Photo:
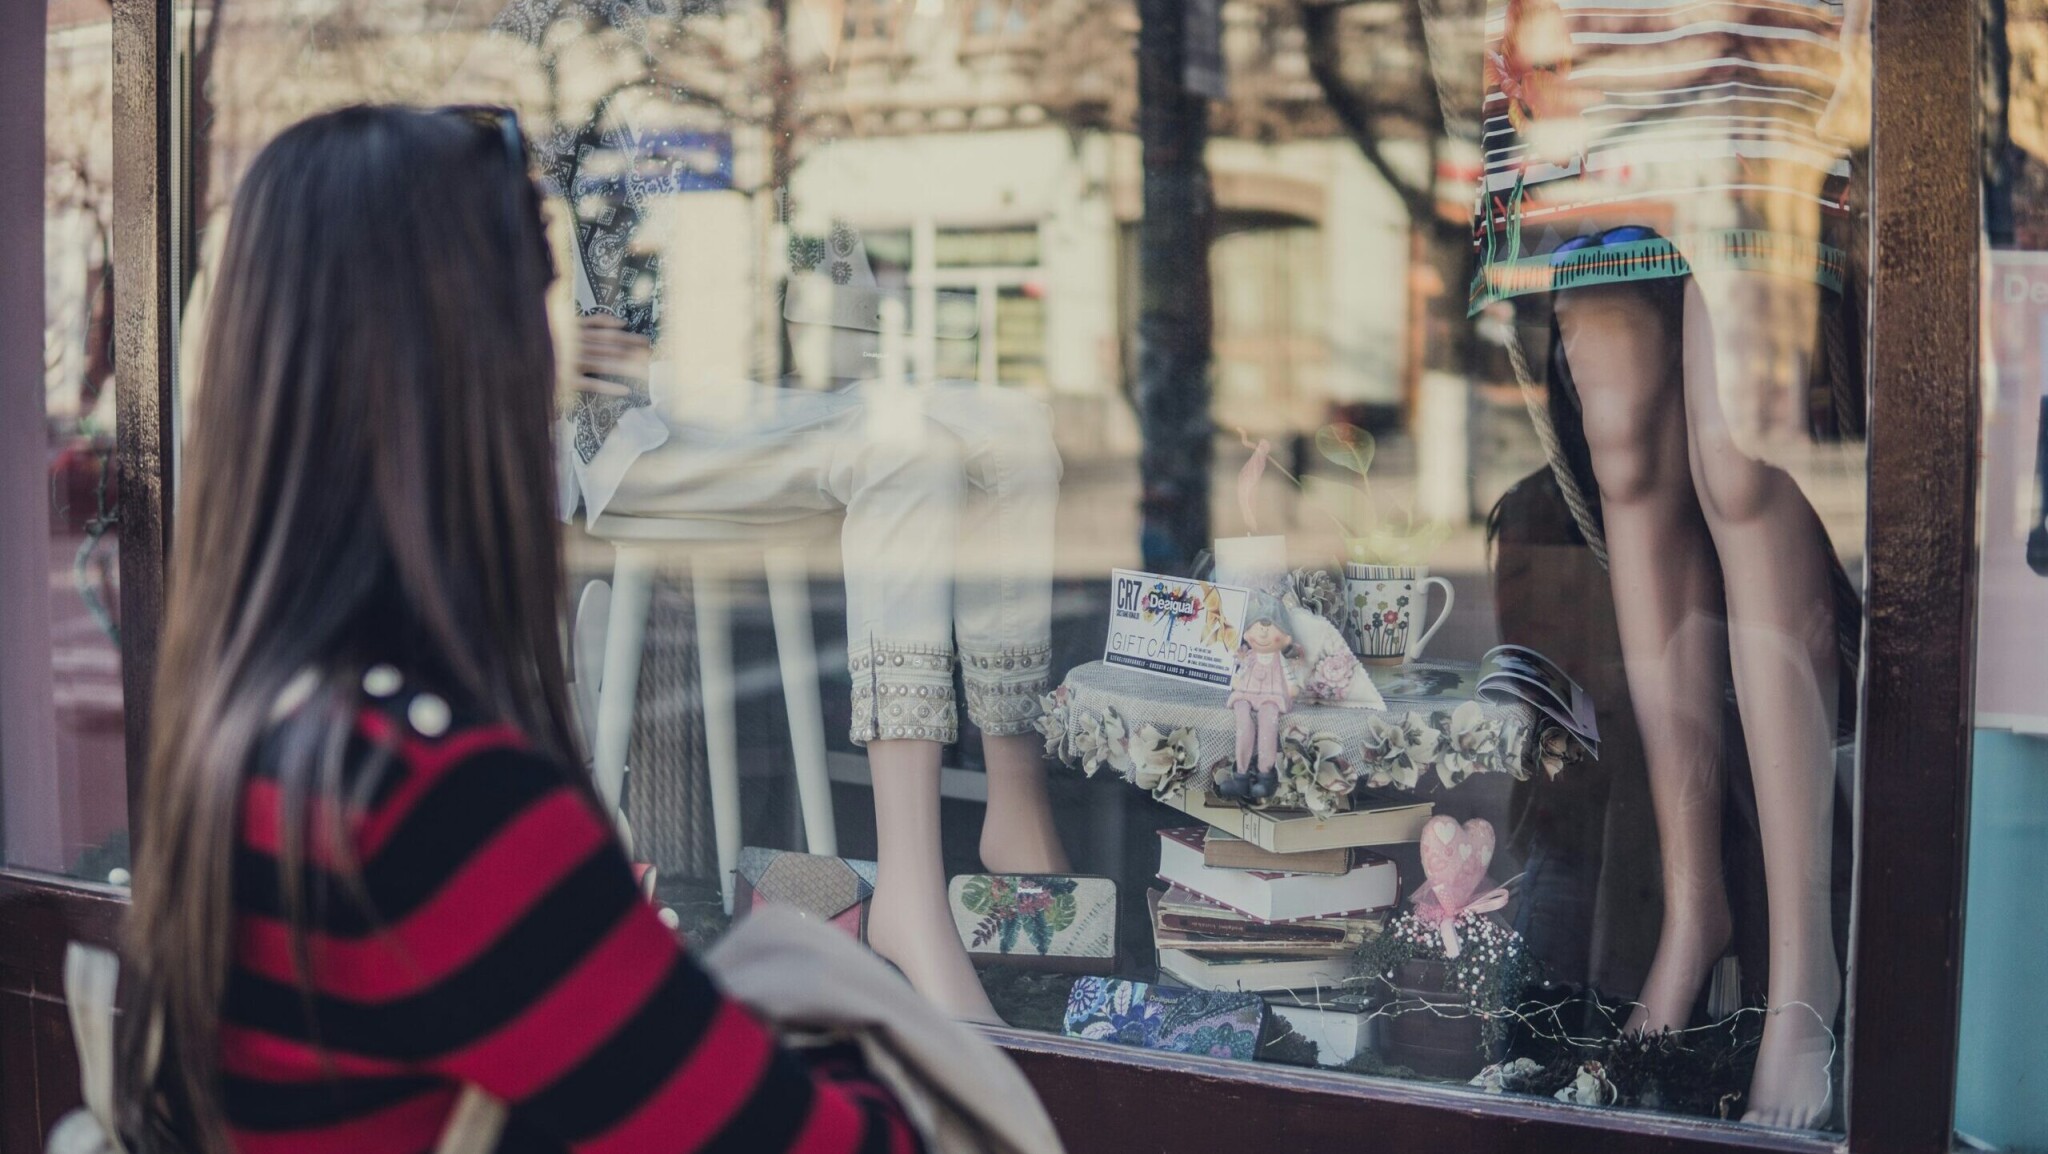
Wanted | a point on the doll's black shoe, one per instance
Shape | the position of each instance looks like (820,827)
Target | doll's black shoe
(1235,787)
(1264,786)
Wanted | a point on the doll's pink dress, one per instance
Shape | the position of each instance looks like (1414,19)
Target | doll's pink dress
(1262,683)
(1260,687)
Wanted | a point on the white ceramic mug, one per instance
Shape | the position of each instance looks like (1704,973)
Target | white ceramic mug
(1387,604)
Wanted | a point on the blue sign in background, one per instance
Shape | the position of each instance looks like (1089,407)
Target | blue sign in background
(659,163)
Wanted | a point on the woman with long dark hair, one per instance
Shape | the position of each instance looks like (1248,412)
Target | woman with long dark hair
(374,872)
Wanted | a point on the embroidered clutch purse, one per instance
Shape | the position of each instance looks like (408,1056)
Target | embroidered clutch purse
(1216,1023)
(830,889)
(1060,922)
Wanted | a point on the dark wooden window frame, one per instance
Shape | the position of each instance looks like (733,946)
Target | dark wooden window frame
(1918,663)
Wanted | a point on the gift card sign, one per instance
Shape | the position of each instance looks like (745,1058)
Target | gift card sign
(1174,626)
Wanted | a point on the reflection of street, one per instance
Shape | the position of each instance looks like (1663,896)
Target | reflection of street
(1098,529)
(66,767)
(90,774)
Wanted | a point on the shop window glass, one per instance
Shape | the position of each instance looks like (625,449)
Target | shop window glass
(62,759)
(2004,1015)
(1371,339)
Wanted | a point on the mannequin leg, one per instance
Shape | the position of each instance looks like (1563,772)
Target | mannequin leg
(903,497)
(1017,834)
(1666,595)
(1003,610)
(909,922)
(1743,356)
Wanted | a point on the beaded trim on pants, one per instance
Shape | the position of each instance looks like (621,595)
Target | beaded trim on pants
(1004,687)
(903,693)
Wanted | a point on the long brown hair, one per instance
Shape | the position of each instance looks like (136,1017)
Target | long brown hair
(367,479)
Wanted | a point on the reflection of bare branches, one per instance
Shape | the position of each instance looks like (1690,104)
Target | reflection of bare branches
(1390,71)
(200,115)
(674,61)
(1362,109)
(77,167)
(78,187)
(1402,71)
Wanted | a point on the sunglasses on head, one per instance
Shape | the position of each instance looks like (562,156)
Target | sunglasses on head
(502,125)
(501,122)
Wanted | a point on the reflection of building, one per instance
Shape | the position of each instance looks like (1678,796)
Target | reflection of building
(985,148)
(1037,223)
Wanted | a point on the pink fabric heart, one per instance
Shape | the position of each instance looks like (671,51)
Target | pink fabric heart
(1454,863)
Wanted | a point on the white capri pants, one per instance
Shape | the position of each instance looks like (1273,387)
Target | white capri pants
(949,493)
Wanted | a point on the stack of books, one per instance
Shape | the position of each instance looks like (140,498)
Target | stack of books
(1279,904)
(1221,927)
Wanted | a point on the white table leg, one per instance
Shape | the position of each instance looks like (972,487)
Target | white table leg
(789,601)
(721,726)
(625,636)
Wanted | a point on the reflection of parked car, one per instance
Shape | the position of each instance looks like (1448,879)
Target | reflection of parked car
(78,465)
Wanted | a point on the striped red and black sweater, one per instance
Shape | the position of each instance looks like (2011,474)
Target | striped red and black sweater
(499,940)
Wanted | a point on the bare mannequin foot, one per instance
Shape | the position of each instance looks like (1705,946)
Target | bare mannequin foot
(1018,848)
(917,934)
(1695,935)
(909,922)
(1793,1086)
(1017,832)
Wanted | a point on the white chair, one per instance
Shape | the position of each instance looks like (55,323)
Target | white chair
(639,543)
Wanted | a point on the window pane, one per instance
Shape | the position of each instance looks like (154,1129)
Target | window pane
(2004,1017)
(61,737)
(1371,338)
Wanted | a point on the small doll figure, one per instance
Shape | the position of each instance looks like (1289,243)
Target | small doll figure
(1263,688)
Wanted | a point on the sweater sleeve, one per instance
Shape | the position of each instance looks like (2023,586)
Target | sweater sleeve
(518,955)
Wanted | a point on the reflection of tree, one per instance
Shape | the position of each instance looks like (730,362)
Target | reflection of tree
(202,46)
(1175,300)
(78,193)
(727,70)
(1394,74)
(2014,81)
(1370,61)
(78,181)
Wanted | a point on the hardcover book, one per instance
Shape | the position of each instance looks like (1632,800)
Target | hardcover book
(1299,832)
(1225,850)
(1277,897)
(1181,920)
(1205,971)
